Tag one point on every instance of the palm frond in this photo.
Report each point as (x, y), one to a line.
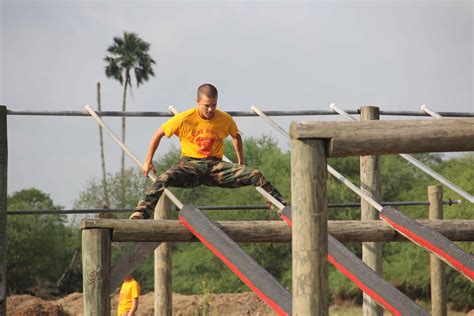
(129, 53)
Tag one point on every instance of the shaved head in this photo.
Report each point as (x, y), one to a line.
(208, 90)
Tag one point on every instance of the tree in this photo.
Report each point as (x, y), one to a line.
(127, 55)
(39, 246)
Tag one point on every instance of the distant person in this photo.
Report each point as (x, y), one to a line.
(201, 131)
(128, 297)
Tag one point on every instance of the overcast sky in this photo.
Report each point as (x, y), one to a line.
(278, 55)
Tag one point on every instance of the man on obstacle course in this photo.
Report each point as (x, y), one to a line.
(201, 132)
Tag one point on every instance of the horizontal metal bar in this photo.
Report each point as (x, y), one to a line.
(220, 208)
(416, 113)
(233, 113)
(80, 113)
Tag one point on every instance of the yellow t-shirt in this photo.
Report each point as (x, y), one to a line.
(201, 138)
(128, 291)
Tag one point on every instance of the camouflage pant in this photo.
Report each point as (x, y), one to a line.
(192, 172)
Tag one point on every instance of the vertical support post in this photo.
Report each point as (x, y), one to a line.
(437, 267)
(370, 183)
(96, 249)
(163, 291)
(309, 233)
(106, 200)
(3, 209)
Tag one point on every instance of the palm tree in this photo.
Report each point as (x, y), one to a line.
(128, 55)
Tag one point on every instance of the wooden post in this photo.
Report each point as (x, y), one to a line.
(370, 183)
(163, 291)
(437, 267)
(106, 199)
(96, 248)
(310, 232)
(3, 209)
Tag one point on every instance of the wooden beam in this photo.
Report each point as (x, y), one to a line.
(310, 227)
(389, 137)
(129, 261)
(163, 291)
(370, 184)
(3, 209)
(95, 271)
(439, 303)
(155, 231)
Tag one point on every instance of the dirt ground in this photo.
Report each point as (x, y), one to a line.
(213, 304)
(183, 305)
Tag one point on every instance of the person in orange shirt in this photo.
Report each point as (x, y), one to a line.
(201, 131)
(128, 297)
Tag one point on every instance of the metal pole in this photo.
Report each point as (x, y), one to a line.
(168, 193)
(220, 208)
(232, 113)
(452, 186)
(426, 109)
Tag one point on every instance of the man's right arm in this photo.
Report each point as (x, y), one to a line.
(155, 141)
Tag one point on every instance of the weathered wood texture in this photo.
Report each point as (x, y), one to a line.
(439, 304)
(3, 209)
(370, 183)
(163, 292)
(129, 261)
(310, 227)
(95, 266)
(389, 137)
(102, 157)
(271, 231)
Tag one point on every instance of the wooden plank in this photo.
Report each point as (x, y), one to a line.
(439, 303)
(229, 252)
(389, 137)
(272, 231)
(370, 184)
(431, 240)
(130, 260)
(3, 209)
(364, 277)
(163, 291)
(310, 231)
(96, 248)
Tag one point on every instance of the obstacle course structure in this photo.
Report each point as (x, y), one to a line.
(374, 295)
(98, 238)
(345, 257)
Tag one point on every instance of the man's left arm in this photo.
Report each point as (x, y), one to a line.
(134, 308)
(239, 148)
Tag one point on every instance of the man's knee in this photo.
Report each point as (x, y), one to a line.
(256, 177)
(160, 183)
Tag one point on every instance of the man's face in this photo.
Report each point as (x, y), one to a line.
(206, 106)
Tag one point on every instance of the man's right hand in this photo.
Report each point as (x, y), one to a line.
(147, 167)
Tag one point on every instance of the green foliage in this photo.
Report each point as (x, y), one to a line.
(40, 247)
(135, 184)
